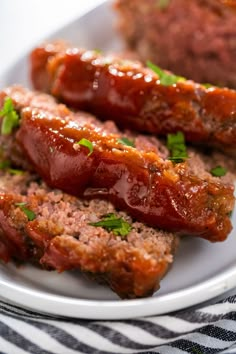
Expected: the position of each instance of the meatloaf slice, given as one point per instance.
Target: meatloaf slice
(194, 38)
(84, 159)
(59, 236)
(136, 97)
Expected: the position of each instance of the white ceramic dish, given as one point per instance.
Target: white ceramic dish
(201, 270)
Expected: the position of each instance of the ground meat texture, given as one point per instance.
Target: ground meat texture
(152, 190)
(194, 38)
(61, 238)
(132, 95)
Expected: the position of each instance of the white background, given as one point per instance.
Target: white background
(25, 22)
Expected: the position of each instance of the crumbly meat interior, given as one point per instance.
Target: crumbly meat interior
(61, 237)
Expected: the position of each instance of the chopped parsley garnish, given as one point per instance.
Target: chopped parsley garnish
(164, 78)
(29, 213)
(177, 147)
(126, 141)
(6, 166)
(87, 144)
(10, 117)
(163, 4)
(112, 223)
(207, 85)
(97, 51)
(218, 171)
(14, 171)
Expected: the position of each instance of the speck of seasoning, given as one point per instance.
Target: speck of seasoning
(163, 4)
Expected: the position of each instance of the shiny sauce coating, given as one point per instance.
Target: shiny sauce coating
(133, 96)
(152, 190)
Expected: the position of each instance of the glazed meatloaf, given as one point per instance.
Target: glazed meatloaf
(193, 38)
(137, 97)
(80, 155)
(55, 230)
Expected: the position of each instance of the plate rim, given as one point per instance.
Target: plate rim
(82, 308)
(122, 309)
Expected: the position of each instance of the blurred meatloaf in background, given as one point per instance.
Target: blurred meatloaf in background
(196, 39)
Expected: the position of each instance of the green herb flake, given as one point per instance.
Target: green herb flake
(29, 213)
(10, 117)
(14, 171)
(177, 147)
(86, 143)
(207, 86)
(97, 51)
(163, 4)
(218, 171)
(165, 78)
(126, 141)
(6, 166)
(112, 223)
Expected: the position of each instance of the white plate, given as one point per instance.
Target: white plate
(201, 270)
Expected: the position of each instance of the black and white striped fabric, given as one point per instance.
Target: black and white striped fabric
(211, 329)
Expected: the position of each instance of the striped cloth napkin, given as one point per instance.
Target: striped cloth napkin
(211, 329)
